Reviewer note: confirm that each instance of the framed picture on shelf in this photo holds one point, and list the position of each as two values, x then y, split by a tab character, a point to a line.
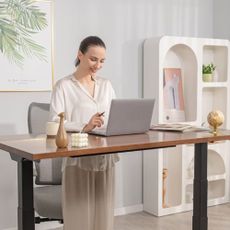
173	95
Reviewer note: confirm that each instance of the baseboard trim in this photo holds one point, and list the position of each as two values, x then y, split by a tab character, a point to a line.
128	210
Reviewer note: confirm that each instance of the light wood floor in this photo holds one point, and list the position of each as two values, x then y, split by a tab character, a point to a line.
219	219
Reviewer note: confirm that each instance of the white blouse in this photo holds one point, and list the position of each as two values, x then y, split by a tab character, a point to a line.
70	96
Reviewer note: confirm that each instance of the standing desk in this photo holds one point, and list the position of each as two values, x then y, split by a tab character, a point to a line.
24	149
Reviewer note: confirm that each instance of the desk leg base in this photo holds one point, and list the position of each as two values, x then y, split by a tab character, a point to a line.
199	223
200	188
25	219
25	195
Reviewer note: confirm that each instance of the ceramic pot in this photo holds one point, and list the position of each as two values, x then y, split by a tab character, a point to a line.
207	77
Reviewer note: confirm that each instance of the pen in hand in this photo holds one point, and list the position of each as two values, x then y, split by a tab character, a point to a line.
101	114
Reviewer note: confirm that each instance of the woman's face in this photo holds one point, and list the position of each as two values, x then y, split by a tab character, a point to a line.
92	60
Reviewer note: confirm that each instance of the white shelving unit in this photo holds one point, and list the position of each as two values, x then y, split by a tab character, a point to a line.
187	54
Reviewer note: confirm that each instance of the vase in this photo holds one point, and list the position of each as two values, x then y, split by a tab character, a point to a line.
207	77
164	176
61	137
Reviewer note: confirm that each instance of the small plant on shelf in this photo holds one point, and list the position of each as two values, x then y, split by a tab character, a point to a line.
207	71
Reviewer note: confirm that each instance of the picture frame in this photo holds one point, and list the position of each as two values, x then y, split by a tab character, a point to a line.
27	51
173	95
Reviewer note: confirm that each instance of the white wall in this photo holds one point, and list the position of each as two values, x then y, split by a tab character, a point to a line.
221	17
123	25
221	27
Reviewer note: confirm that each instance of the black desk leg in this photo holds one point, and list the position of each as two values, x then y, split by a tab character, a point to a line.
200	187
25	195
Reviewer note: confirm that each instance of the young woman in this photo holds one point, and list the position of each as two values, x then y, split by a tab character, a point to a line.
87	182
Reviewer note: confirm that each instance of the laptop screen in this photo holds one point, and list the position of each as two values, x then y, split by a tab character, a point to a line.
129	116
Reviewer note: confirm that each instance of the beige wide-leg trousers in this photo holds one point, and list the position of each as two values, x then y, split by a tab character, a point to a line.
88	199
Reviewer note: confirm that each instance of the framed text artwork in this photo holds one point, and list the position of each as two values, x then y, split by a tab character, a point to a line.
26	41
173	95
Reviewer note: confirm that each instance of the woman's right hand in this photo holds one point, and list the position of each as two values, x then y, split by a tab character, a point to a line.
95	121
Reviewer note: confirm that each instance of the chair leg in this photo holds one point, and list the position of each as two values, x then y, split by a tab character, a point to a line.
38	220
61	221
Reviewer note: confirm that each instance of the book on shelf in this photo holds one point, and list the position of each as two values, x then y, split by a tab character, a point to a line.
178	127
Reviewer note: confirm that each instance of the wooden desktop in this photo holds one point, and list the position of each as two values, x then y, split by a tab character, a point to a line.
28	148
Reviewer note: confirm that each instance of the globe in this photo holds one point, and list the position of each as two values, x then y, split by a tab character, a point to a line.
215	119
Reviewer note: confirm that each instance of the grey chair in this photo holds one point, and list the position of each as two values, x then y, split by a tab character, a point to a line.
47	193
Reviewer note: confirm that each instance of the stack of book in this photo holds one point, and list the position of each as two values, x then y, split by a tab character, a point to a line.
178	127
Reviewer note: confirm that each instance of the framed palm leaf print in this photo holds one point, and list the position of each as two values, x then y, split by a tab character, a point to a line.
26	54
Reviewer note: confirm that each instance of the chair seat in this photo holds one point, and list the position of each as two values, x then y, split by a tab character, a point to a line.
47	201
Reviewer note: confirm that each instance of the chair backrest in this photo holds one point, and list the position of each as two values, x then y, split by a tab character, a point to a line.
48	172
38	115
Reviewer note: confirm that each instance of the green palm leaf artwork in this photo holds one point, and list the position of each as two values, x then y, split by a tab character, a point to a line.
19	21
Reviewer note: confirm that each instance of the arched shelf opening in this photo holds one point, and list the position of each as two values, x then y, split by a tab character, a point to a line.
183	57
216	164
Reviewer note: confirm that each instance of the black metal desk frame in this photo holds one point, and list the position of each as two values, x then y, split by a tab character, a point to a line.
25	191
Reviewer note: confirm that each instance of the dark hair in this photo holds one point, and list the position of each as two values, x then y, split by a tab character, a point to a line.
86	43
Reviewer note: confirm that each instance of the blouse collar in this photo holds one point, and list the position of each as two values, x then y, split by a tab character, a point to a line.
94	78
83	89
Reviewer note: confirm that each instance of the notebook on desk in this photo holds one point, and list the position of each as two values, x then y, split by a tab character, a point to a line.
128	116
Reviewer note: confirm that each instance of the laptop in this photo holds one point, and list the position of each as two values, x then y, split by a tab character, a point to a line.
128	116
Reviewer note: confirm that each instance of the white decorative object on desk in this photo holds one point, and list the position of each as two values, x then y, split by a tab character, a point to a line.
79	139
